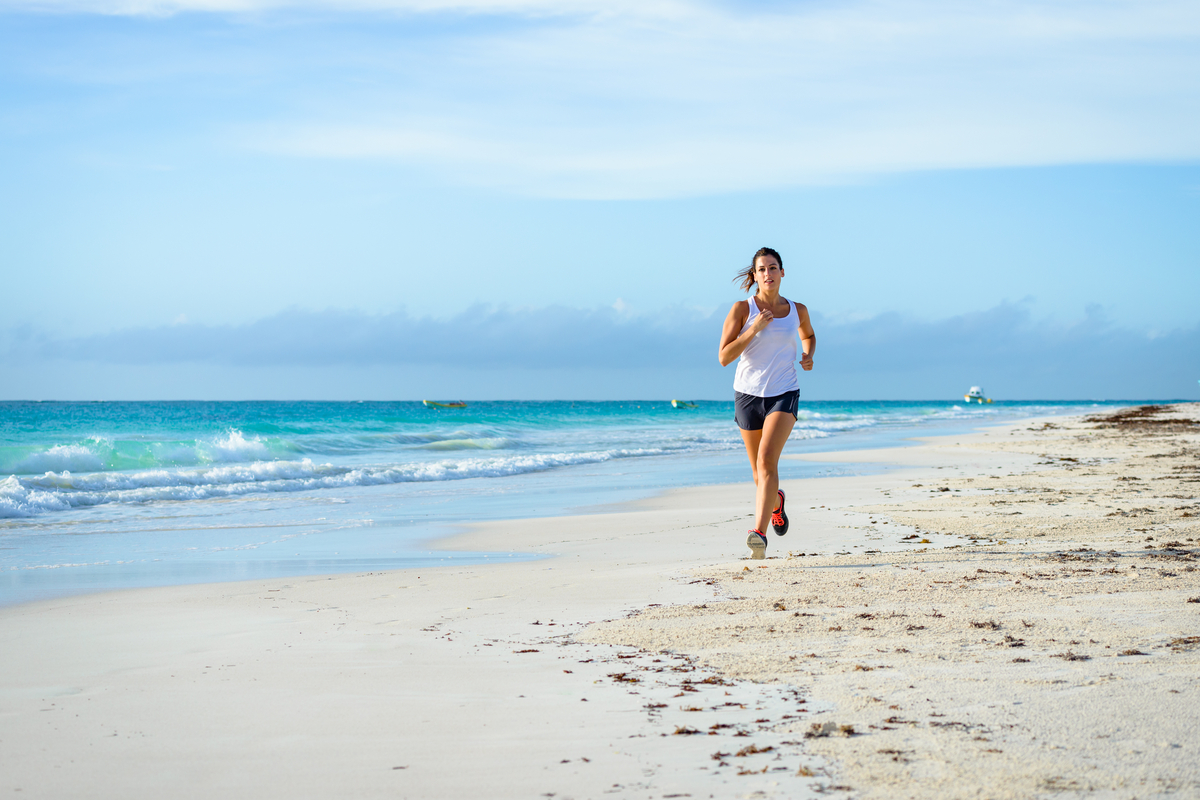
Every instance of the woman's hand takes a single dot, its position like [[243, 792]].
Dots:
[[761, 322], [806, 362]]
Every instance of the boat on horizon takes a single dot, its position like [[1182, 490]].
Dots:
[[683, 404], [435, 404], [976, 396]]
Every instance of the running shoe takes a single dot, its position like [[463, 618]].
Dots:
[[779, 520], [757, 544]]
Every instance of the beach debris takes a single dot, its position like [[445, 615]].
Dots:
[[822, 730], [1011, 641], [989, 624], [528, 650], [1144, 419], [1133, 651], [962, 726], [1071, 656], [683, 730], [624, 677], [894, 720], [752, 749], [1020, 661], [1181, 643], [1193, 599], [715, 680]]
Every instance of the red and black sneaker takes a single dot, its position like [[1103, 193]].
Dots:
[[779, 520], [757, 544]]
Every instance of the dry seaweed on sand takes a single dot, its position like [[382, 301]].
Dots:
[[1144, 419]]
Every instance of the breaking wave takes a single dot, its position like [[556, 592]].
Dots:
[[60, 491]]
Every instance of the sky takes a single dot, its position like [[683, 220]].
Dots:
[[400, 199]]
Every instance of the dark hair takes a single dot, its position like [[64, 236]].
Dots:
[[747, 274]]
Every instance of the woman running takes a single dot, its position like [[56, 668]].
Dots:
[[763, 330]]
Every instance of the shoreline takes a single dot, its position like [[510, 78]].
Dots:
[[431, 684], [39, 582]]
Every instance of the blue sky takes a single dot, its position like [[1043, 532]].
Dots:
[[378, 199]]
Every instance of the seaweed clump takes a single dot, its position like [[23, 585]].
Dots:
[[1146, 419]]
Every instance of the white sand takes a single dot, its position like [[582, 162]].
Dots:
[[411, 684], [1056, 653]]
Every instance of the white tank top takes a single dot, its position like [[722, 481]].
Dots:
[[767, 366]]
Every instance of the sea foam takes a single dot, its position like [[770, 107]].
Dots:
[[61, 457], [59, 491]]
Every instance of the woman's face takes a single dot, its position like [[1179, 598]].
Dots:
[[767, 272]]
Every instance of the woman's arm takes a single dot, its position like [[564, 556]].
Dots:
[[732, 344], [808, 337]]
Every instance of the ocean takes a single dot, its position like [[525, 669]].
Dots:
[[111, 495]]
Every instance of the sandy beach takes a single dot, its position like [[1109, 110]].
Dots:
[[1009, 613]]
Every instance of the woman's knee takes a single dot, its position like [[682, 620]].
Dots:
[[767, 468]]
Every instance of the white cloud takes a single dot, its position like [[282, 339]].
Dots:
[[160, 8], [629, 100], [709, 101]]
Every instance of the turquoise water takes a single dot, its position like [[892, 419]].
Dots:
[[109, 495]]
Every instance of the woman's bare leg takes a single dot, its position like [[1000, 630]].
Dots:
[[772, 438], [751, 440]]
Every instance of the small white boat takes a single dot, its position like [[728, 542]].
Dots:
[[435, 404], [683, 404], [976, 396]]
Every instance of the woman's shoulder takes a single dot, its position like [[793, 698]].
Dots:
[[740, 308], [802, 318]]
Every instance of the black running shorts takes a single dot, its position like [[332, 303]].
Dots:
[[750, 412]]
